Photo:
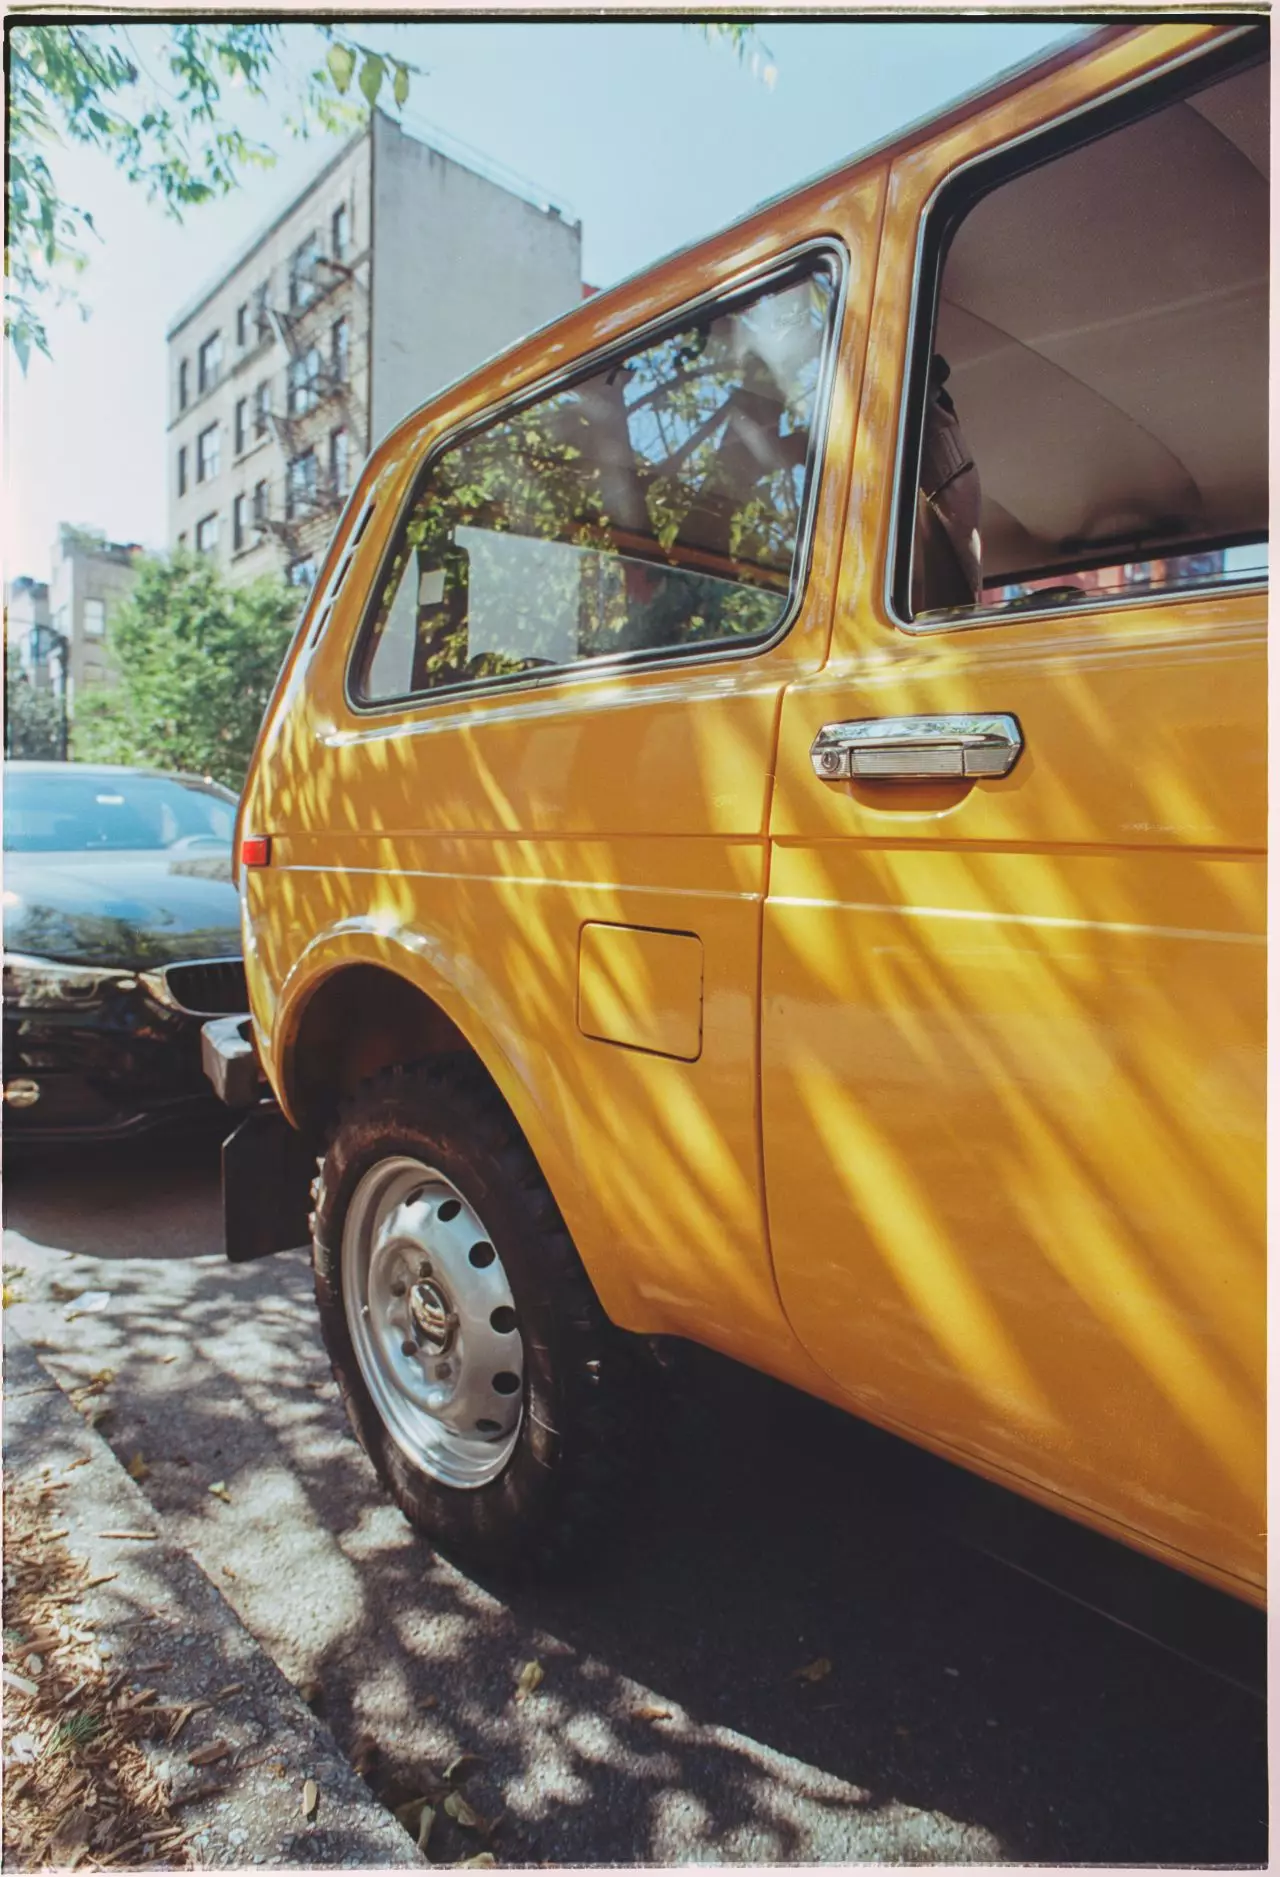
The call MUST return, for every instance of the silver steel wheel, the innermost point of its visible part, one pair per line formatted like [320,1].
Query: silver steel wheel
[433,1322]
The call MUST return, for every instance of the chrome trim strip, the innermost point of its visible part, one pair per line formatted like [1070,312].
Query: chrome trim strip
[1187,57]
[909,749]
[617,664]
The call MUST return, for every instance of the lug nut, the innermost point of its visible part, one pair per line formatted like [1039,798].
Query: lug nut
[408,1349]
[399,1287]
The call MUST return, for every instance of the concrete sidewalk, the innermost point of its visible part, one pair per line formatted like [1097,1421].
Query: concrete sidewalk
[161,1608]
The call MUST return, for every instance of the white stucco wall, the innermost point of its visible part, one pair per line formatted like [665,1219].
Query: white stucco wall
[461,269]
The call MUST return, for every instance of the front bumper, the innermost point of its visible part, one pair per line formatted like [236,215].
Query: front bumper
[119,1067]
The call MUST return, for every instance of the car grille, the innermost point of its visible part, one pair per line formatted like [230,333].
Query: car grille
[208,987]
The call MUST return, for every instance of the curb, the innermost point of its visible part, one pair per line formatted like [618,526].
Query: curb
[159,1604]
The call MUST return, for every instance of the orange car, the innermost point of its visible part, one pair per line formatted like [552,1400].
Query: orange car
[760,838]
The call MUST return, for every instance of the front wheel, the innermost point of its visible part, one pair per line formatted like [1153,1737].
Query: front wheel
[480,1374]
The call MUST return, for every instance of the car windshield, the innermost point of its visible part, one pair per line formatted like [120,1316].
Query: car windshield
[87,811]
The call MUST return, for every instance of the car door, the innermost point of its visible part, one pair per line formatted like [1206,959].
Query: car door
[545,773]
[1013,964]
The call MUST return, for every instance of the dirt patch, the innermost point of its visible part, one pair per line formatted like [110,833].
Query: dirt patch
[79,1792]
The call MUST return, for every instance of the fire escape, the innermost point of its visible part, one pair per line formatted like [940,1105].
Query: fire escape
[309,500]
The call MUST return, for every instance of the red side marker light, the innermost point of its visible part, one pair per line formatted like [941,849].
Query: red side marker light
[255,850]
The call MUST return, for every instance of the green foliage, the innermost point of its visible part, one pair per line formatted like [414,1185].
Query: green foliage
[169,131]
[197,661]
[33,719]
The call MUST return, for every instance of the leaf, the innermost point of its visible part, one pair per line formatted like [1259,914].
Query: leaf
[457,1808]
[310,1798]
[528,1679]
[219,1491]
[341,61]
[650,1712]
[462,1768]
[425,1823]
[371,74]
[137,1468]
[483,1860]
[817,1670]
[400,85]
[207,1755]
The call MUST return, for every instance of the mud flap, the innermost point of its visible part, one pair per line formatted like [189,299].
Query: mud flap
[267,1169]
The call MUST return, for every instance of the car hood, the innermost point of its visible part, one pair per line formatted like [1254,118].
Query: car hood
[131,910]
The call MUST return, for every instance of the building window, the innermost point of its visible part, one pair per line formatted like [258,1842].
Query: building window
[340,350]
[302,573]
[259,504]
[300,484]
[241,425]
[341,231]
[237,524]
[262,311]
[95,618]
[242,324]
[182,470]
[184,384]
[209,363]
[304,382]
[338,462]
[262,408]
[303,286]
[207,534]
[207,454]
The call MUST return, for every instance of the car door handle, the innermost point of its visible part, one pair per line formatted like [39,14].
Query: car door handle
[909,749]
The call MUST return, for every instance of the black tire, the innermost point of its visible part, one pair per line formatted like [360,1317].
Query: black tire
[563,1484]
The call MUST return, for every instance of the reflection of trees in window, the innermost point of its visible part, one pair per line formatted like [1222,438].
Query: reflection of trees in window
[656,503]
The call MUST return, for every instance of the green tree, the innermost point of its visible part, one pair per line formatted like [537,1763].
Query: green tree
[197,661]
[33,718]
[170,131]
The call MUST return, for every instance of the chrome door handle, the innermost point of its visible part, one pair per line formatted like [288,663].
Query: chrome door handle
[908,749]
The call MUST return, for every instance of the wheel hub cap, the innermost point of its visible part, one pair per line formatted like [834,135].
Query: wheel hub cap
[433,1322]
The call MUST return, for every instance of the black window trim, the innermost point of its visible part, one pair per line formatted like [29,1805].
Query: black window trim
[830,248]
[955,195]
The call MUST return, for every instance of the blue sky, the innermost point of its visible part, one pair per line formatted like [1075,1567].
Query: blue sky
[650,135]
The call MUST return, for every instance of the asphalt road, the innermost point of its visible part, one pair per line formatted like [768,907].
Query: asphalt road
[970,1713]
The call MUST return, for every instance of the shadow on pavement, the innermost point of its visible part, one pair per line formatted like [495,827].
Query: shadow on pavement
[969,1715]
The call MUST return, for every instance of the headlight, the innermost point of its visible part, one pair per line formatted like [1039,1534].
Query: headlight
[44,984]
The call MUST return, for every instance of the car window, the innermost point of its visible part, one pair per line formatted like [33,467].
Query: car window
[1095,416]
[45,812]
[656,504]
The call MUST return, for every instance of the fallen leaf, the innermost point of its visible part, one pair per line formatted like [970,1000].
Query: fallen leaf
[227,1571]
[528,1679]
[651,1713]
[8,1295]
[224,1694]
[425,1822]
[408,1813]
[312,1693]
[310,1798]
[365,1753]
[483,1860]
[137,1468]
[457,1808]
[89,1303]
[205,1756]
[455,1775]
[172,1358]
[817,1670]
[219,1491]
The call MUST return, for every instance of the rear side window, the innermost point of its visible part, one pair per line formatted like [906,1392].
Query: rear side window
[1092,408]
[657,504]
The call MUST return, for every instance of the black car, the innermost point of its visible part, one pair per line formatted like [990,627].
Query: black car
[121,935]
